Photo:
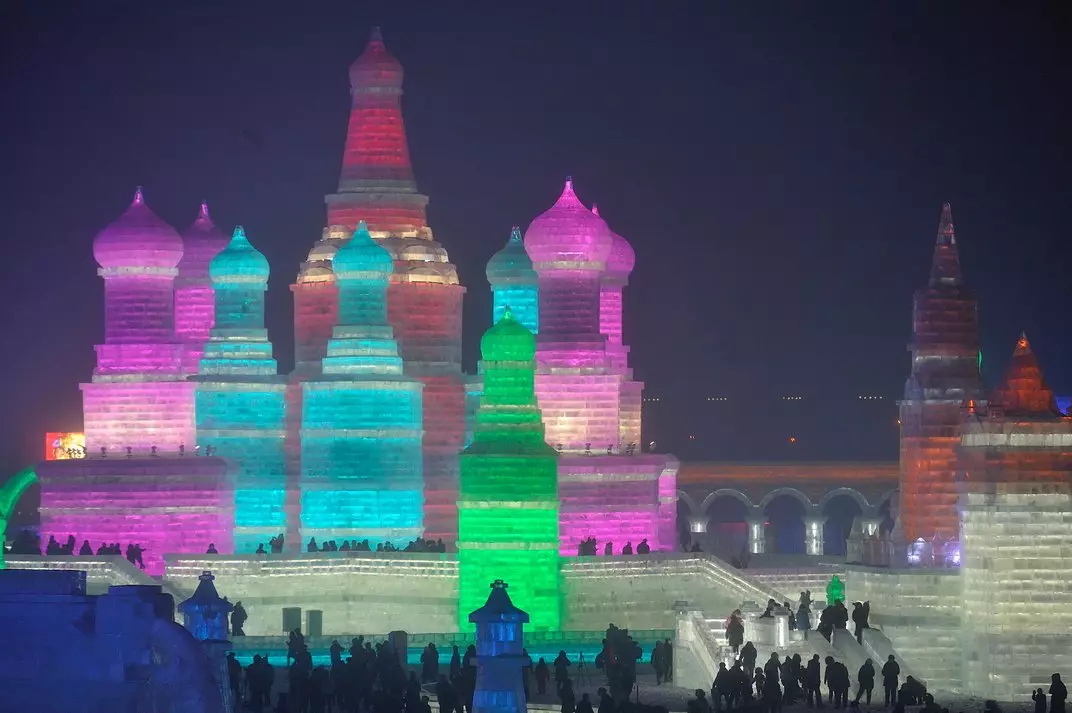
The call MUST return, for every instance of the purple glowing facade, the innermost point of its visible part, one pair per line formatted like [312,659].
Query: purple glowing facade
[590,403]
[194,297]
[141,483]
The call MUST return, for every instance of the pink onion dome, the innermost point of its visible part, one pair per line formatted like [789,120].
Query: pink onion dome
[568,232]
[376,68]
[201,242]
[138,238]
[622,259]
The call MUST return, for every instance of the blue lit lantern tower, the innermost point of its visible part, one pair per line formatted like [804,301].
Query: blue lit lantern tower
[361,473]
[240,397]
[500,654]
[514,283]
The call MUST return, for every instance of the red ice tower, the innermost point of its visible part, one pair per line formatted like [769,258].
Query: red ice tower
[424,297]
[945,376]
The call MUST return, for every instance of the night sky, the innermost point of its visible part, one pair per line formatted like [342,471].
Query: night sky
[779,172]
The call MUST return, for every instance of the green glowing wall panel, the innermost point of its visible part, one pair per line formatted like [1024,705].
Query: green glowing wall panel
[534,577]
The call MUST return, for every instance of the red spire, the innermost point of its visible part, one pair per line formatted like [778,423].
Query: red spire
[945,267]
[376,148]
[1024,392]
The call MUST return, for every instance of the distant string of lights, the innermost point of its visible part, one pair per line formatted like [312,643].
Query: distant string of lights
[712,399]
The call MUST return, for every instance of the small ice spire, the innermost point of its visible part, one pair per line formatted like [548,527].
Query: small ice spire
[595,210]
[945,225]
[507,314]
[515,234]
[239,235]
[1022,344]
[138,197]
[375,35]
[203,215]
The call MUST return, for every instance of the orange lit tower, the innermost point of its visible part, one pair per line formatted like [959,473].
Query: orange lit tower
[424,297]
[945,377]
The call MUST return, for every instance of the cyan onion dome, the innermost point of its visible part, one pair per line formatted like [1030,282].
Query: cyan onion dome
[568,232]
[508,340]
[201,242]
[138,238]
[511,262]
[239,261]
[622,259]
[362,255]
[376,68]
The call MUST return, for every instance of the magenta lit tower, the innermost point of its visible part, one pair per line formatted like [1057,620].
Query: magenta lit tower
[142,483]
[424,304]
[194,297]
[591,406]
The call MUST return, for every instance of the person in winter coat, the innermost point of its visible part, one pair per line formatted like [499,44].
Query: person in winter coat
[866,681]
[1039,697]
[735,634]
[890,672]
[1058,694]
[860,613]
[772,691]
[803,619]
[748,656]
[813,679]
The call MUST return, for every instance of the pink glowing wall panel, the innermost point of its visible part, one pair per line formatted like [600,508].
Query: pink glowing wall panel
[139,308]
[195,310]
[617,499]
[610,313]
[165,504]
[580,411]
[139,415]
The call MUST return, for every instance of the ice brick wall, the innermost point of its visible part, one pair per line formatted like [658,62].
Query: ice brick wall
[165,504]
[920,612]
[1016,541]
[357,592]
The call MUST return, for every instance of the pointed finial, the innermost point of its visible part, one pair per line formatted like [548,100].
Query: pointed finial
[362,226]
[1022,344]
[595,210]
[203,215]
[239,233]
[138,197]
[507,314]
[375,35]
[515,234]
[945,225]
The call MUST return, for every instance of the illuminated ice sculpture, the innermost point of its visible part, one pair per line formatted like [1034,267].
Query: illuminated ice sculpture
[240,397]
[945,375]
[508,507]
[142,484]
[361,420]
[424,303]
[194,296]
[500,654]
[590,404]
[514,283]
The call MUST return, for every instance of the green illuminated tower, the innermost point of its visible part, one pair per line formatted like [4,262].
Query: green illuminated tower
[508,506]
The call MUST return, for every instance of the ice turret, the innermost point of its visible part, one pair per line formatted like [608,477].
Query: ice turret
[194,299]
[514,283]
[1023,391]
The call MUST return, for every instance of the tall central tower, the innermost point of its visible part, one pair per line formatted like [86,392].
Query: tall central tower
[424,298]
[945,374]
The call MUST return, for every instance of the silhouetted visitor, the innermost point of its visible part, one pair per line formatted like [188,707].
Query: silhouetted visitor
[212,549]
[275,544]
[722,688]
[561,664]
[585,704]
[865,681]
[455,663]
[606,701]
[912,692]
[430,664]
[543,675]
[567,696]
[238,619]
[260,549]
[735,633]
[1058,694]
[234,675]
[628,549]
[698,704]
[860,613]
[890,673]
[803,618]
[448,697]
[85,549]
[103,549]
[668,658]
[643,548]
[608,549]
[837,682]
[1039,697]
[772,691]
[812,680]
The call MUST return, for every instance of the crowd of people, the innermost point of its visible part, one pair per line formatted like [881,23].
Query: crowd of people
[418,545]
[589,548]
[28,544]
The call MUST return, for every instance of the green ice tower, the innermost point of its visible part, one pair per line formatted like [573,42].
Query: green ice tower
[508,506]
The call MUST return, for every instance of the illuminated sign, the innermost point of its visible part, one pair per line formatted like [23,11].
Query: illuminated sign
[64,446]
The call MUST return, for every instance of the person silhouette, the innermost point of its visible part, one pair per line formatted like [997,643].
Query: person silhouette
[1058,694]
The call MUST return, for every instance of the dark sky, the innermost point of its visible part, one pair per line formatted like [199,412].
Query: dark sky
[779,171]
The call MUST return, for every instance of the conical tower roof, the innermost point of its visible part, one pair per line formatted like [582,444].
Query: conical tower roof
[1023,391]
[945,266]
[508,340]
[376,68]
[568,232]
[138,238]
[511,262]
[239,261]
[499,607]
[362,255]
[201,242]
